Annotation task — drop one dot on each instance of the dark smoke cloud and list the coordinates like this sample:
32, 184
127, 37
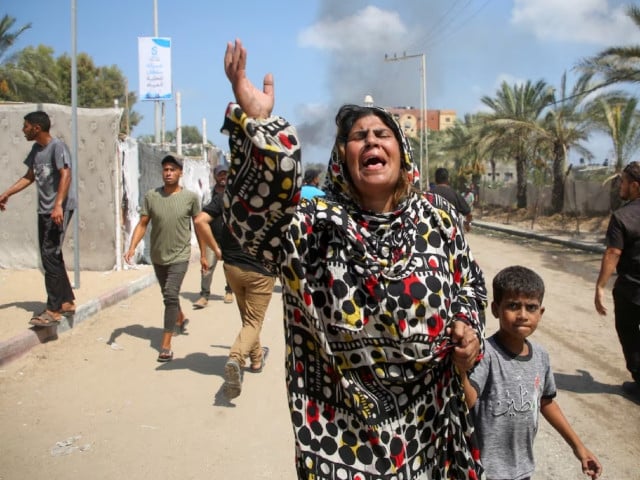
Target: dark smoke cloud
356, 37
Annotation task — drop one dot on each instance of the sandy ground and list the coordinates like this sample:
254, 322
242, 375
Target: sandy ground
23, 294
96, 404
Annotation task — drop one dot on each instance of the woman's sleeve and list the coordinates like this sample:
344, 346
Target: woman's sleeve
263, 186
471, 300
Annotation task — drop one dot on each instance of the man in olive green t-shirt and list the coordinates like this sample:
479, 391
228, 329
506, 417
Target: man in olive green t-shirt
170, 210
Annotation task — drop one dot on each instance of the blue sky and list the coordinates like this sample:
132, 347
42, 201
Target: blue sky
327, 52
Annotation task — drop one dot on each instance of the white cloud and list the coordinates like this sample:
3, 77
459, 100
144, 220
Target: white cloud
369, 30
594, 22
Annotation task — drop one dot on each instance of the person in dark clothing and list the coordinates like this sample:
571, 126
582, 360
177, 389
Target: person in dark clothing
206, 276
445, 190
252, 285
623, 256
49, 165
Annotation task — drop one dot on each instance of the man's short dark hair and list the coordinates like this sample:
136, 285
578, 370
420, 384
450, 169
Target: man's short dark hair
442, 175
310, 175
517, 280
39, 118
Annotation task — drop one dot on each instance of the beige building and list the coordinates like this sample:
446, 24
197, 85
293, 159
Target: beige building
410, 119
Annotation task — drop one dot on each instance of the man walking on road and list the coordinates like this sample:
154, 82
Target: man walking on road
206, 276
253, 286
49, 165
170, 209
445, 190
623, 256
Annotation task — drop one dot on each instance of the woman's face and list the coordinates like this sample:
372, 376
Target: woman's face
372, 155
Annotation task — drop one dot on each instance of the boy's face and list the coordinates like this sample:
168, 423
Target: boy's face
518, 314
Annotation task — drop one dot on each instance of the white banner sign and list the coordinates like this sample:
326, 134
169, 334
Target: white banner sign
154, 62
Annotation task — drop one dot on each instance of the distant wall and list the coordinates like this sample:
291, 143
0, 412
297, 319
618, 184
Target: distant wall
580, 196
113, 176
97, 139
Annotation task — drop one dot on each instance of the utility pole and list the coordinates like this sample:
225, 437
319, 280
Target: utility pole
156, 103
424, 155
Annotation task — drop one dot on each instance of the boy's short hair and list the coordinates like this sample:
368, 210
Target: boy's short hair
519, 280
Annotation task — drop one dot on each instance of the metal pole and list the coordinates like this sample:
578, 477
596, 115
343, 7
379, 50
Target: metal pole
204, 139
425, 127
178, 124
156, 103
163, 129
74, 147
423, 163
126, 105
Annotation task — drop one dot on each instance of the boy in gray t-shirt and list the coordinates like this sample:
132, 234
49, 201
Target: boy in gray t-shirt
513, 383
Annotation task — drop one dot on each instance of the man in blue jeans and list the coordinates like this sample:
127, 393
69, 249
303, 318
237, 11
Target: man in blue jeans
49, 165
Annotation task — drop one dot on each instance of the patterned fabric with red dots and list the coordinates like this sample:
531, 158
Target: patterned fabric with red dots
368, 298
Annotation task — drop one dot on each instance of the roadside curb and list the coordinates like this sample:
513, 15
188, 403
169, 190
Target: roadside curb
550, 238
18, 345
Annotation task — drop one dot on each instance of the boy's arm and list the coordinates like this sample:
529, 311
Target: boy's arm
552, 412
470, 394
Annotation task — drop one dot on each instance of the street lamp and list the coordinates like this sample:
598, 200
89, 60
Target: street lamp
424, 155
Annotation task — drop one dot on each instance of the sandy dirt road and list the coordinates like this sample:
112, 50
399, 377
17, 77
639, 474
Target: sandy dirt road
80, 408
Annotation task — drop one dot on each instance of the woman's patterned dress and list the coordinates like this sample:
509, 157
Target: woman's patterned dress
367, 300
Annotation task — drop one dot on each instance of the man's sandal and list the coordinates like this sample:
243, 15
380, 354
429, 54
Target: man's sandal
45, 319
257, 368
68, 309
165, 355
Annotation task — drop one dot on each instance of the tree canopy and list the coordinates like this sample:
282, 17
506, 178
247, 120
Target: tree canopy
35, 75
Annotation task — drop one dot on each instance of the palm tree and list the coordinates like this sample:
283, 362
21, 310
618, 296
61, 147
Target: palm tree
32, 76
617, 64
510, 126
462, 143
7, 38
564, 127
616, 115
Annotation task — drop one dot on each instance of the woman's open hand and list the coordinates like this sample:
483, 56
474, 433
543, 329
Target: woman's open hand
255, 103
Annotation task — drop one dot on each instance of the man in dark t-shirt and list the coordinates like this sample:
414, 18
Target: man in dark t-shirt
623, 256
206, 276
252, 285
443, 189
49, 166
